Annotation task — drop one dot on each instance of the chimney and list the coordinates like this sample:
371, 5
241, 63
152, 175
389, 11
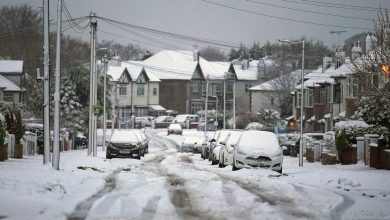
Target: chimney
195, 53
326, 63
370, 43
356, 51
245, 64
340, 57
116, 60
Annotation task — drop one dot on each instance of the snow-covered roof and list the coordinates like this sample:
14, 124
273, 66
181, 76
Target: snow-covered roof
317, 77
157, 107
134, 68
11, 66
271, 84
8, 85
245, 74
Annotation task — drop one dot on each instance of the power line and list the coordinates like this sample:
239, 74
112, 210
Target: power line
282, 18
309, 11
175, 36
333, 5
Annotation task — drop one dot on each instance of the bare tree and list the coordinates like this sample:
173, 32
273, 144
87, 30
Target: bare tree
212, 54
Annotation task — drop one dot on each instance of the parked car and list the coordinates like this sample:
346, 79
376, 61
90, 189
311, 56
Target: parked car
175, 129
182, 120
254, 126
142, 122
226, 149
214, 154
163, 121
192, 144
143, 140
258, 149
81, 142
124, 143
211, 126
211, 136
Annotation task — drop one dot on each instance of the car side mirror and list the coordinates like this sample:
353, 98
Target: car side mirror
232, 145
223, 142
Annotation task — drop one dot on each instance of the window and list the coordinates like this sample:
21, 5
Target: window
9, 97
124, 114
122, 89
336, 93
195, 86
309, 98
247, 86
229, 87
299, 97
140, 89
272, 100
196, 107
154, 91
321, 96
219, 89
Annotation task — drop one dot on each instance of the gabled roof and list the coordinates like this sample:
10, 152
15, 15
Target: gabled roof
272, 85
8, 85
132, 69
247, 74
11, 66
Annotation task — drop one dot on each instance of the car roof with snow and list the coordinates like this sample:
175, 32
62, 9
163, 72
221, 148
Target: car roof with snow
124, 137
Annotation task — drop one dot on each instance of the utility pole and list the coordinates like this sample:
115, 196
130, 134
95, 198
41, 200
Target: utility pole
92, 88
46, 88
56, 129
205, 107
224, 100
234, 102
104, 61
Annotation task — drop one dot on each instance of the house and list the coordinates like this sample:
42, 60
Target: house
134, 92
11, 72
267, 95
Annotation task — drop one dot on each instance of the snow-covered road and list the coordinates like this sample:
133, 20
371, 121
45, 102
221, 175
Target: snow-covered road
167, 184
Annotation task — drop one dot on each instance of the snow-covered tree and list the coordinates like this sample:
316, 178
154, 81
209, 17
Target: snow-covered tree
374, 106
268, 117
71, 111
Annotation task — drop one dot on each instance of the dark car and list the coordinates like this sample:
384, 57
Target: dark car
163, 121
124, 143
209, 127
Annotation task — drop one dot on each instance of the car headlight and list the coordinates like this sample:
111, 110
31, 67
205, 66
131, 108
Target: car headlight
112, 146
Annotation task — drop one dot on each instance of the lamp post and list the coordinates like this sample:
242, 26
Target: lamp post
216, 108
104, 61
302, 98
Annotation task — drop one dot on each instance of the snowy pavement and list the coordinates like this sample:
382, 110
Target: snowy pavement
166, 184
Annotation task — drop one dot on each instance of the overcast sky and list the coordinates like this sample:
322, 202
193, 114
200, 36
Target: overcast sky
232, 21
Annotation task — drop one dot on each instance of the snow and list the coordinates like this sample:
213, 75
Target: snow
11, 66
124, 136
264, 141
351, 123
166, 184
7, 84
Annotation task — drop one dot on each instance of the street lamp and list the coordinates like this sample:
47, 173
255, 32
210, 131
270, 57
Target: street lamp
302, 98
104, 61
216, 108
226, 75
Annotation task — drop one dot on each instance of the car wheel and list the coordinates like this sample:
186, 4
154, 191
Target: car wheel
138, 157
108, 156
234, 168
280, 171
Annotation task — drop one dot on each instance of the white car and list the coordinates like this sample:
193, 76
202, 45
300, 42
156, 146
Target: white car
226, 150
192, 144
204, 154
214, 146
258, 149
175, 129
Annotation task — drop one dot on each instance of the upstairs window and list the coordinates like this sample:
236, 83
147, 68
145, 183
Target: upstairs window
140, 89
122, 89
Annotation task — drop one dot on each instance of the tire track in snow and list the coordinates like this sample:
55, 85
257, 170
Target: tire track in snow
338, 211
82, 209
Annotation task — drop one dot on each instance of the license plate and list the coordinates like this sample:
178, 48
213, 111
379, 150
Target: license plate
124, 151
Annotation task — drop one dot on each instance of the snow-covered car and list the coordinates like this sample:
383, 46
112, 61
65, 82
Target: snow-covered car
141, 122
226, 148
182, 120
175, 129
258, 149
214, 154
254, 126
163, 121
124, 143
211, 126
211, 136
143, 140
192, 144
